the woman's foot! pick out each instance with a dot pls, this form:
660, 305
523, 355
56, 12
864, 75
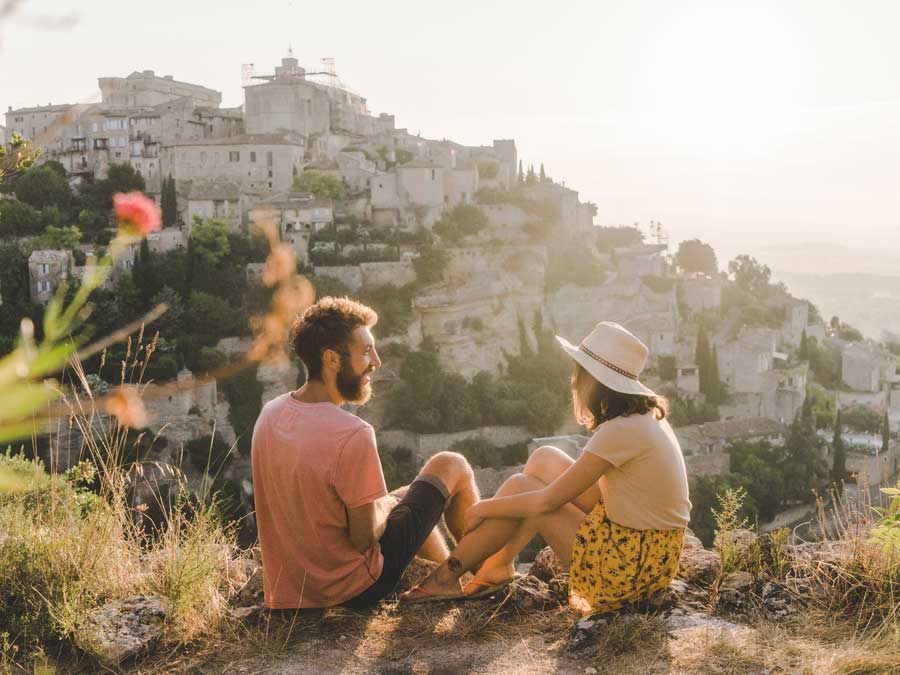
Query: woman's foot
489, 578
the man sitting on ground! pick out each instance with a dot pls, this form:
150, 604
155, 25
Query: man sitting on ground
330, 532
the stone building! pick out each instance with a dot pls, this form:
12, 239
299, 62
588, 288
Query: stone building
744, 360
640, 260
46, 269
564, 201
146, 89
703, 444
257, 164
297, 215
220, 200
136, 116
699, 292
166, 239
866, 366
417, 193
287, 101
3, 139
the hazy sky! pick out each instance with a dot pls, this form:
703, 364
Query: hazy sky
743, 123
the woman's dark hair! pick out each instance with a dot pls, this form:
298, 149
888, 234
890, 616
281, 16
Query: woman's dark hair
594, 403
328, 324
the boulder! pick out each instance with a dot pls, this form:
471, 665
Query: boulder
121, 629
530, 594
416, 572
734, 589
780, 600
698, 565
683, 619
246, 578
547, 565
682, 594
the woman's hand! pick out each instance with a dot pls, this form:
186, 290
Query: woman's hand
474, 516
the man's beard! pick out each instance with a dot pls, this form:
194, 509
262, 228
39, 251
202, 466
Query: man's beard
351, 386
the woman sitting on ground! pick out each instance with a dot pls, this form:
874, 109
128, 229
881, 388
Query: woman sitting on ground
615, 517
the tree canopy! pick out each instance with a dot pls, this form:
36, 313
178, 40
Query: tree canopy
322, 185
695, 256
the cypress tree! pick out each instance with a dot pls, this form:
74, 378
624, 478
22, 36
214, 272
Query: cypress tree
839, 463
701, 357
804, 347
530, 178
715, 386
521, 173
885, 433
543, 175
167, 202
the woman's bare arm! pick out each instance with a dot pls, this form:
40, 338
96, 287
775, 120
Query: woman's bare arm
574, 481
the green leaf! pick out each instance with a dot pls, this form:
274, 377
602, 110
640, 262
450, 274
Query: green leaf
18, 430
22, 400
51, 360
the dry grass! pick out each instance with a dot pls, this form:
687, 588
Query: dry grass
73, 541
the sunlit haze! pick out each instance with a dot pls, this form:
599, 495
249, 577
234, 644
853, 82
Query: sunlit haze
746, 124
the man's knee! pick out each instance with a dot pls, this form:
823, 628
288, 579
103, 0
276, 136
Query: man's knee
451, 467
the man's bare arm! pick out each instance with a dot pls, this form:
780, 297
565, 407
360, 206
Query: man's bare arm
368, 522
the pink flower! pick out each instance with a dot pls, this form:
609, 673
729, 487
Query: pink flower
137, 213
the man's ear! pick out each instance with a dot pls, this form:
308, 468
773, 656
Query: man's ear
331, 358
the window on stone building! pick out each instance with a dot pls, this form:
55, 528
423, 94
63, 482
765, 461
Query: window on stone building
269, 159
252, 157
432, 174
270, 173
234, 156
45, 268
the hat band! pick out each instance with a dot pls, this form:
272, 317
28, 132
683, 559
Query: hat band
606, 363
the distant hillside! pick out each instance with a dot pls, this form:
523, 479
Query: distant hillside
869, 302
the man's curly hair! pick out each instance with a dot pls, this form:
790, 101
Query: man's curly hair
328, 324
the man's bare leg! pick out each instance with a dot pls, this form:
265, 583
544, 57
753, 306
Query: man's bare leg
557, 527
457, 476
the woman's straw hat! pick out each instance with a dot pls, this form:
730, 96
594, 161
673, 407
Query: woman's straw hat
613, 356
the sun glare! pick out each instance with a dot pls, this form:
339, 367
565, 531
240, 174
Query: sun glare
725, 80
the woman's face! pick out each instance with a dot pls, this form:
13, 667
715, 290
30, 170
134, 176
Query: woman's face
584, 388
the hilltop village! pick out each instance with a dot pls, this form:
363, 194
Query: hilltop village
473, 261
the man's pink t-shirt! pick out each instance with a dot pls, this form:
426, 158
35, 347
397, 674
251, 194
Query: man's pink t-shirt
311, 463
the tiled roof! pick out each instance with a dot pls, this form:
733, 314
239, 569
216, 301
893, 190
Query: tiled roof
246, 139
63, 107
732, 430
214, 190
47, 255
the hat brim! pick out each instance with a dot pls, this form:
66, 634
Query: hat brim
604, 375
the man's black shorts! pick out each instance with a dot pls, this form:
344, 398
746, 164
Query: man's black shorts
408, 526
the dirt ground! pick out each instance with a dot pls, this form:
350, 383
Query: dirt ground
482, 638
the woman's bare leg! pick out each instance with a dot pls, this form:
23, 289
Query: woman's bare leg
557, 527
545, 464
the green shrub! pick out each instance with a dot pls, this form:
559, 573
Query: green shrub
665, 365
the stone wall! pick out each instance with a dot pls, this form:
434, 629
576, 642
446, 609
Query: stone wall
874, 469
876, 400
349, 275
715, 464
425, 445
398, 273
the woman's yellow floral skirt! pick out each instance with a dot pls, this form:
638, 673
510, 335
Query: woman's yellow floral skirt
613, 565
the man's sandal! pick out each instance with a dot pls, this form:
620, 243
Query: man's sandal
488, 589
417, 595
